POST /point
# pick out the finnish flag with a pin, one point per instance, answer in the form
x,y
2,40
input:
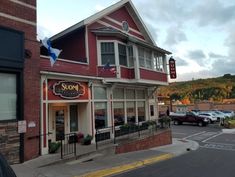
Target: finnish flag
x,y
52,52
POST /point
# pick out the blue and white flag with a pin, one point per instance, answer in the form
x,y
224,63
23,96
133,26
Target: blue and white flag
x,y
52,52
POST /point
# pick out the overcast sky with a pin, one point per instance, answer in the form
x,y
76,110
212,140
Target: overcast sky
x,y
200,34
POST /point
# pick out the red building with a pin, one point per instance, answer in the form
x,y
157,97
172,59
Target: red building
x,y
20,81
106,75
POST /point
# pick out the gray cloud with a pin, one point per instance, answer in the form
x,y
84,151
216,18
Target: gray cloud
x,y
213,12
214,55
180,62
174,36
196,54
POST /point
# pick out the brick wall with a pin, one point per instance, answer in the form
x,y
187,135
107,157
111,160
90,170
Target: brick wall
x,y
160,139
22,17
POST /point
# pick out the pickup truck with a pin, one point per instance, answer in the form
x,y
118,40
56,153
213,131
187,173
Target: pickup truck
x,y
190,117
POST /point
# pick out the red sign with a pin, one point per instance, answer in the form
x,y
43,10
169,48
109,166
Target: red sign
x,y
172,68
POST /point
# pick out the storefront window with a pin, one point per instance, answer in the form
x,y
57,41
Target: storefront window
x,y
100,93
130,94
119,114
101,115
73,118
8,96
118,93
140,94
130,106
141,111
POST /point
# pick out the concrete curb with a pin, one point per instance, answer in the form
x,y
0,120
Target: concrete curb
x,y
229,131
127,167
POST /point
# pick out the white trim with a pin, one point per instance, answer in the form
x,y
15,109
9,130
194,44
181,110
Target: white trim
x,y
135,81
65,60
66,101
108,25
142,23
24,4
87,46
69,75
17,19
119,23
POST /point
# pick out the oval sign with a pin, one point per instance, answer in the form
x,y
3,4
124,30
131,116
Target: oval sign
x,y
68,89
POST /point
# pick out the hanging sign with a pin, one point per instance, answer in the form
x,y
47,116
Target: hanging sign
x,y
172,68
68,89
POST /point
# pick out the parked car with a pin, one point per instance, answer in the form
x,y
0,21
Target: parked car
x,y
190,117
220,115
228,113
211,116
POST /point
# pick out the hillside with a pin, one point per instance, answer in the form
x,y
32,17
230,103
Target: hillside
x,y
213,89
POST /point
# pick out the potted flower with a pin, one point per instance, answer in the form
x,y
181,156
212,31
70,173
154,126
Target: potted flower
x,y
80,137
87,139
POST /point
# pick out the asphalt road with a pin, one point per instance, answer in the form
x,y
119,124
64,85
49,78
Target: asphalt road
x,y
214,158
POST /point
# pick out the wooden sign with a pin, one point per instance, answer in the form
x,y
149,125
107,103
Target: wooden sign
x,y
172,68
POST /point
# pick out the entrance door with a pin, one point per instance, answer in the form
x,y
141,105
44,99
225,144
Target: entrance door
x,y
60,123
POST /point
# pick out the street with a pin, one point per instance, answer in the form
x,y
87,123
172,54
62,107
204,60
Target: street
x,y
215,157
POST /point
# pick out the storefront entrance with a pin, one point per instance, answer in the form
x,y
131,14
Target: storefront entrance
x,y
59,124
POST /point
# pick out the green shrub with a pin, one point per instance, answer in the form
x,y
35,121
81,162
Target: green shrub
x,y
87,139
54,146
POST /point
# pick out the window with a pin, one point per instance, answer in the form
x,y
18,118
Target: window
x,y
130,94
101,115
8,96
100,93
119,114
130,106
131,56
158,62
140,94
151,110
73,118
118,93
141,111
141,57
148,59
122,55
107,53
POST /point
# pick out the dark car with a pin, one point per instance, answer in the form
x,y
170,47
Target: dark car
x,y
190,117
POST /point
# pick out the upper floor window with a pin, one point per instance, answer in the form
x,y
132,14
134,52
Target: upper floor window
x,y
158,62
145,58
131,56
122,55
107,53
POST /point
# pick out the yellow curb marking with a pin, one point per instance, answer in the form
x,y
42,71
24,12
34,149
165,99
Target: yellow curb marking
x,y
122,168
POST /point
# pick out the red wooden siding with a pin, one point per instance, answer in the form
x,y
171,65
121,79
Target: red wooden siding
x,y
123,15
153,75
120,27
127,73
105,72
66,67
73,46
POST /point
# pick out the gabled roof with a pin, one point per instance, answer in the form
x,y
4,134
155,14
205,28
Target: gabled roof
x,y
131,9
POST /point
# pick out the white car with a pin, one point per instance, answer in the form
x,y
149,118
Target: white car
x,y
211,116
228,113
220,115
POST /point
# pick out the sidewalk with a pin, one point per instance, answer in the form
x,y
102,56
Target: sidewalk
x,y
98,164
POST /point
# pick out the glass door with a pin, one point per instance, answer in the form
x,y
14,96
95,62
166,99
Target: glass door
x,y
59,119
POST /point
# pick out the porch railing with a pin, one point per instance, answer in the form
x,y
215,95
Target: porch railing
x,y
128,131
68,144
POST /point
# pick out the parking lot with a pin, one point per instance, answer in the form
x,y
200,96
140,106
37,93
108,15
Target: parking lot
x,y
210,136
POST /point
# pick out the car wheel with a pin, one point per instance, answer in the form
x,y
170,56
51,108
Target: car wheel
x,y
176,122
211,122
200,124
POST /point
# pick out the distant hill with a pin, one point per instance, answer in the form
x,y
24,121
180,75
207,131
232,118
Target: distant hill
x,y
213,89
